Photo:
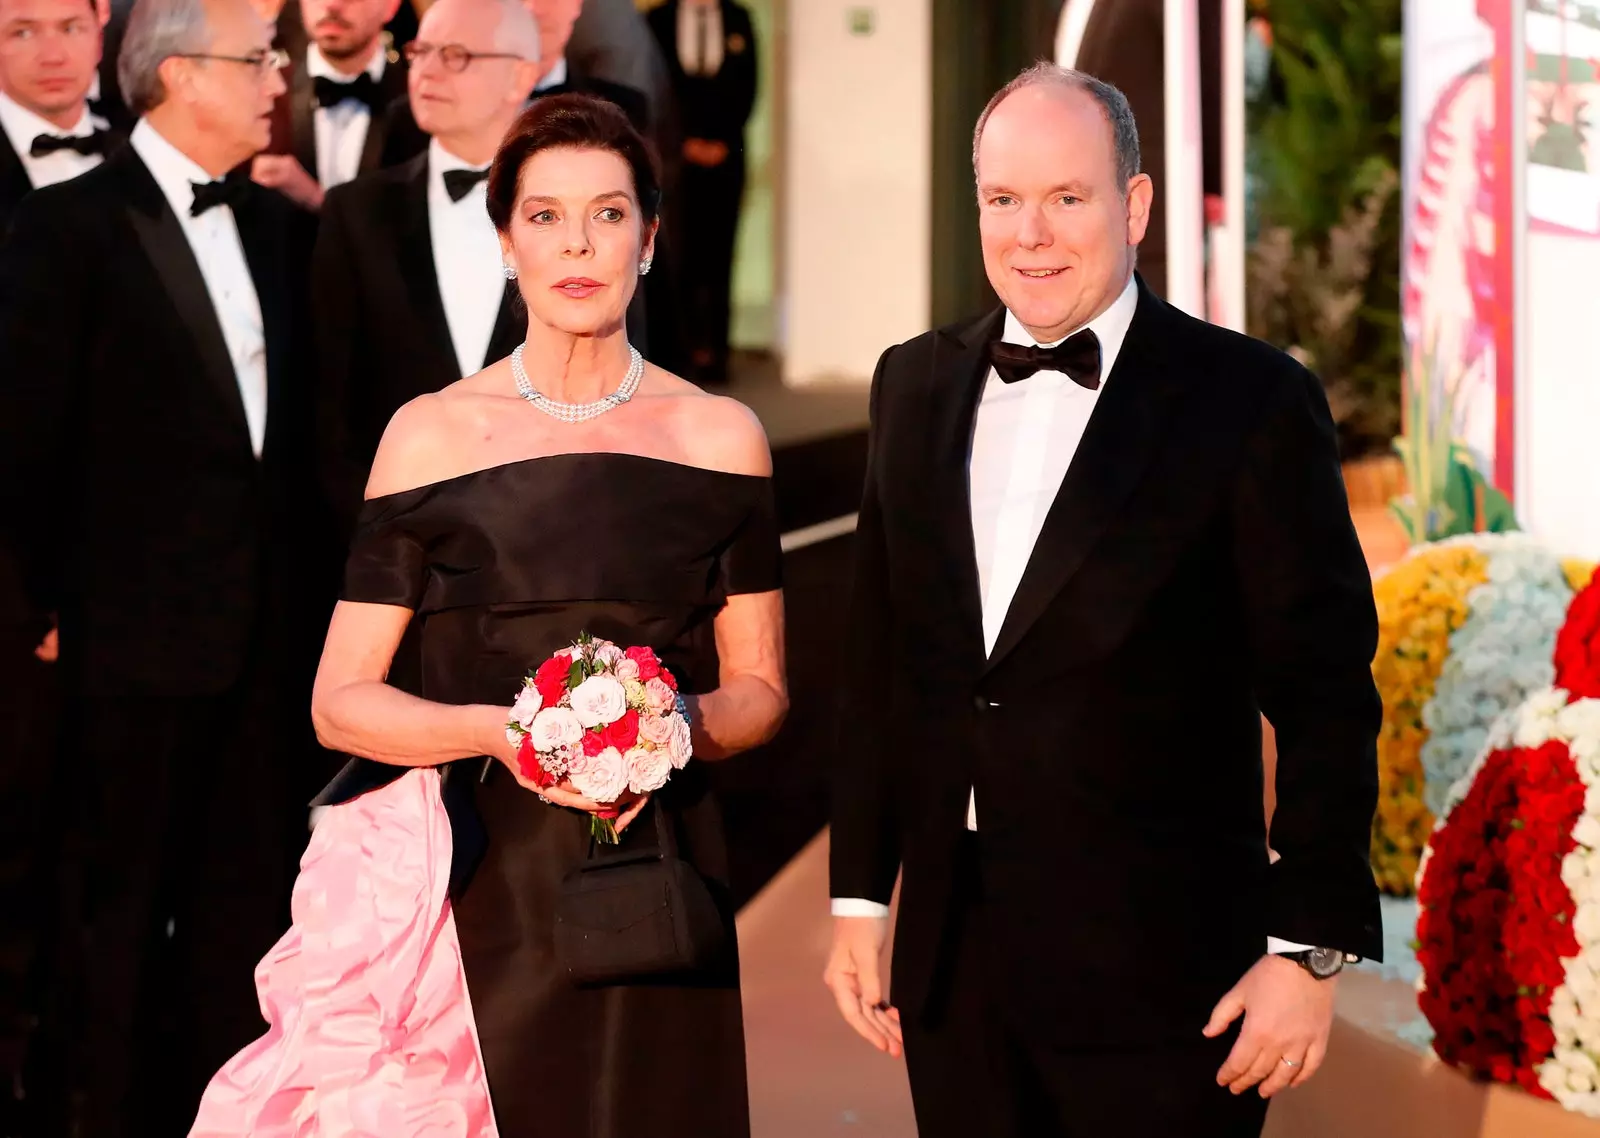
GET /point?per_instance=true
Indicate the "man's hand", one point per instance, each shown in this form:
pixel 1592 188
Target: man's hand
pixel 49 649
pixel 283 172
pixel 1287 1016
pixel 853 977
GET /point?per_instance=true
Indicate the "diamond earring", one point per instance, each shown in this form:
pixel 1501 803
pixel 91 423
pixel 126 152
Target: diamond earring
pixel 510 271
pixel 644 266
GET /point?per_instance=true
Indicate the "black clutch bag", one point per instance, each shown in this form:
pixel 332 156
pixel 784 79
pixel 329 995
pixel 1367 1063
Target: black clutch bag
pixel 634 915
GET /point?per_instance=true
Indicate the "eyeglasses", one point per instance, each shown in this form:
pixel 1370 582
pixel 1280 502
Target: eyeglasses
pixel 452 55
pixel 265 62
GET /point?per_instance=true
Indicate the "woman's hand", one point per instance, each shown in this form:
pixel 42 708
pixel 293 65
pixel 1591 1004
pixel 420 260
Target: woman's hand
pixel 563 793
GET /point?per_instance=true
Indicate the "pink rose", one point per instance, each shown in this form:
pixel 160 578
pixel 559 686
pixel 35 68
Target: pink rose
pixel 658 697
pixel 655 729
pixel 679 744
pixel 607 653
pixel 605 779
pixel 627 670
pixel 648 770
pixel 529 701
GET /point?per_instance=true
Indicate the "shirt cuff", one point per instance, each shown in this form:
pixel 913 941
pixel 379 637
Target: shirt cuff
pixel 858 907
pixel 1274 946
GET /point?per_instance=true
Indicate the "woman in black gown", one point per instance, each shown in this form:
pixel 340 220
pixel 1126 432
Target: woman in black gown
pixel 499 525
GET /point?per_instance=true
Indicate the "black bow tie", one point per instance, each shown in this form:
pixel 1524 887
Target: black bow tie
pixel 229 192
pixel 1077 356
pixel 85 144
pixel 458 183
pixel 331 92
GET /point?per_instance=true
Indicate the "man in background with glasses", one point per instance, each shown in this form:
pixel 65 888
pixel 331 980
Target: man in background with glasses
pixel 406 282
pixel 153 480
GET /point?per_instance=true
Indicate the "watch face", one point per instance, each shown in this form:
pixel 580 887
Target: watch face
pixel 1325 961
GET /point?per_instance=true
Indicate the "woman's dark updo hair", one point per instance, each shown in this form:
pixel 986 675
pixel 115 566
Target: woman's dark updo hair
pixel 580 122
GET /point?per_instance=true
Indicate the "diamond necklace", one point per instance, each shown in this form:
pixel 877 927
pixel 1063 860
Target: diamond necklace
pixel 578 412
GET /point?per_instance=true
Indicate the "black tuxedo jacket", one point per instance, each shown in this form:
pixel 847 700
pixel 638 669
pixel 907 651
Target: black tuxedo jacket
pixel 14 182
pixel 128 486
pixel 1197 568
pixel 381 334
pixel 715 107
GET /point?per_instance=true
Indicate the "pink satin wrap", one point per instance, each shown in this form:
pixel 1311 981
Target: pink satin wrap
pixel 370 1029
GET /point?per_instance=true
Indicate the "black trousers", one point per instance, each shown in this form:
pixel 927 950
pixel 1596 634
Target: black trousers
pixel 977 1069
pixel 191 819
pixel 711 200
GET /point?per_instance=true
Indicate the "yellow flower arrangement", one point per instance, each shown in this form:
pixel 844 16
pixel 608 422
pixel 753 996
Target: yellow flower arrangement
pixel 1420 602
pixel 1579 573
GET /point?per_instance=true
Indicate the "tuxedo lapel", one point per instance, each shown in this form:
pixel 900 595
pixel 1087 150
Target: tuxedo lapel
pixel 303 116
pixel 961 363
pixel 14 183
pixel 510 326
pixel 1109 461
pixel 162 238
pixel 393 86
pixel 415 252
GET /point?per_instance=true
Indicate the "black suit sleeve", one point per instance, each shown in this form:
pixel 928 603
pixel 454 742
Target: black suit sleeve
pixel 1313 633
pixel 336 327
pixel 44 290
pixel 865 843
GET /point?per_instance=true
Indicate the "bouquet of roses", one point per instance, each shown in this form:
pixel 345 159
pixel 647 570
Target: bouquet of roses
pixel 605 719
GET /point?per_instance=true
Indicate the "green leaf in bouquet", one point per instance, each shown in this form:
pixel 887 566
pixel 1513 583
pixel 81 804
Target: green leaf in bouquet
pixel 577 673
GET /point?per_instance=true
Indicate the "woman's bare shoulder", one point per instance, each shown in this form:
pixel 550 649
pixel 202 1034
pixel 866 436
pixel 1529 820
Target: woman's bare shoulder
pixel 716 431
pixel 427 440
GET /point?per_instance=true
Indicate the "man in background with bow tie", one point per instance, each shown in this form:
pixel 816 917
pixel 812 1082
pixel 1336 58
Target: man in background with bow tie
pixel 1098 540
pixel 338 93
pixel 406 281
pixel 154 428
pixel 49 50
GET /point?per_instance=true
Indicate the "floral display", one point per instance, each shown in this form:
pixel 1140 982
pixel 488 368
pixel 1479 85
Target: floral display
pixel 605 720
pixel 1467 627
pixel 1508 932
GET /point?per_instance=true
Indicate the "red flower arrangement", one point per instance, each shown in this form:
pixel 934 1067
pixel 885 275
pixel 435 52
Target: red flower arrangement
pixel 1506 927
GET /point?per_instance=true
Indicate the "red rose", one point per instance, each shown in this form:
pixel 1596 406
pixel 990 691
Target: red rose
pixel 649 665
pixel 1578 645
pixel 551 679
pixel 594 742
pixel 532 769
pixel 669 679
pixel 624 733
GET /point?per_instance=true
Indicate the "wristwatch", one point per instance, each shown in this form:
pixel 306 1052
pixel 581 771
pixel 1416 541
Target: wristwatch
pixel 1323 963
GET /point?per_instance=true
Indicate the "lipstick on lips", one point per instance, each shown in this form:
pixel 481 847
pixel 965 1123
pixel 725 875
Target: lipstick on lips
pixel 578 287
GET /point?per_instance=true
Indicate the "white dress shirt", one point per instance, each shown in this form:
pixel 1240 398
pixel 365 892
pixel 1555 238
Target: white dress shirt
pixel 1023 441
pixel 341 129
pixel 214 240
pixel 700 38
pixel 22 126
pixel 466 259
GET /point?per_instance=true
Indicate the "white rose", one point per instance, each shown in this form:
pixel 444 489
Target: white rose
pixel 529 701
pixel 626 670
pixel 604 779
pixel 1587 831
pixel 1587 923
pixel 648 770
pixel 598 701
pixel 679 744
pixel 555 728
